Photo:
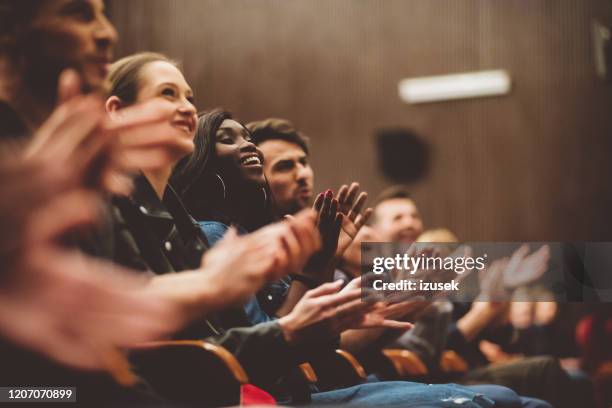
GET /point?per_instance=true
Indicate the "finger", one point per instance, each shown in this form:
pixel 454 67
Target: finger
pixel 61 215
pixel 318 202
pixel 325 289
pixel 147 113
pixel 69 86
pixel 78 116
pixel 362 219
pixel 333 209
pixel 336 227
pixel 352 194
pixel 324 213
pixel 358 205
pixel 341 298
pixel 395 324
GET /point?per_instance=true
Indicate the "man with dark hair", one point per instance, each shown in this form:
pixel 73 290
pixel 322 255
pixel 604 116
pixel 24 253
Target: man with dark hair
pixel 286 163
pixel 38 40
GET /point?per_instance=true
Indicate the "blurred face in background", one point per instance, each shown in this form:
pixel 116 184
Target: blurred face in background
pixel 398 220
pixel 68 34
pixel 289 174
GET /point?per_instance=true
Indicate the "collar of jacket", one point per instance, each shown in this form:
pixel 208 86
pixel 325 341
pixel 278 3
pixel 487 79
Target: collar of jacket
pixel 151 207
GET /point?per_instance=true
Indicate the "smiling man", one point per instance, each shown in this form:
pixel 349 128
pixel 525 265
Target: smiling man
pixel 286 164
pixel 396 217
pixel 38 40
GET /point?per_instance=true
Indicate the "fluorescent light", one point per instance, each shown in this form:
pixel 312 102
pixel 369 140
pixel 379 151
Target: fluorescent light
pixel 456 86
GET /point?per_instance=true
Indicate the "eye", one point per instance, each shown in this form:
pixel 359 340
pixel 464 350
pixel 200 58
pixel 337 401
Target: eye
pixel 226 140
pixel 169 92
pixel 79 10
pixel 284 165
pixel 191 100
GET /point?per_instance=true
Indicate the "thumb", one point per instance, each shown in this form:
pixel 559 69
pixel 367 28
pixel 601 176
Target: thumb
pixel 69 86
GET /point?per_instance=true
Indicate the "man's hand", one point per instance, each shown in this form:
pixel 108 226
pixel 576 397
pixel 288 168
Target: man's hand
pixel 104 152
pixel 58 302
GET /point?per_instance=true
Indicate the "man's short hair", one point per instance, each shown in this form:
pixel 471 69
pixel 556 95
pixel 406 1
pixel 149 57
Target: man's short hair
pixel 277 129
pixel 393 192
pixel 15 19
pixel 390 193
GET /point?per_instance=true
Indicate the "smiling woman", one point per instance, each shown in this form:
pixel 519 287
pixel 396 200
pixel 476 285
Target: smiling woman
pixel 223 180
pixel 146 76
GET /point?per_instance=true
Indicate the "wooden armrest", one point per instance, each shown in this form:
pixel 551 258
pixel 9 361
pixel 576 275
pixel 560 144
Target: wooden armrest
pixel 337 369
pixel 406 362
pixel 309 373
pixel 225 356
pixel 451 362
pixel 357 367
pixel 604 371
pixel 192 371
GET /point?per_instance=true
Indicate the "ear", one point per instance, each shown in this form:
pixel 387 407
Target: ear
pixel 113 105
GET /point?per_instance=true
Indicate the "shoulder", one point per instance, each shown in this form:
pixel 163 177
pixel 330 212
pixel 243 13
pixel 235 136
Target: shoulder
pixel 214 230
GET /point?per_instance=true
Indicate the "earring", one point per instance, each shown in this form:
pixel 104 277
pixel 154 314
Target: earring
pixel 265 195
pixel 222 185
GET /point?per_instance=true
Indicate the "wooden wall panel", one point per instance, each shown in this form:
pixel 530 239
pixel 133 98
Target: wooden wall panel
pixel 533 165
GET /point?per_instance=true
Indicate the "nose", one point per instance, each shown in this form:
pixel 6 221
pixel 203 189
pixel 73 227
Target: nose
pixel 105 33
pixel 186 108
pixel 247 146
pixel 302 173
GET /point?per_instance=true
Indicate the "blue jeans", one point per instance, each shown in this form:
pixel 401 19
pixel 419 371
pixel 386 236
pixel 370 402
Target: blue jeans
pixel 505 397
pixel 404 394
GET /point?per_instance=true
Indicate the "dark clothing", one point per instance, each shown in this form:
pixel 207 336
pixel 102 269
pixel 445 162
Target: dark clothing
pixel 11 126
pixel 161 237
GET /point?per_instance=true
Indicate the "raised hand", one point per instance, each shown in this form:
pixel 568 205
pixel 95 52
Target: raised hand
pixel 104 152
pixel 524 269
pixel 350 204
pixel 320 266
pixel 70 308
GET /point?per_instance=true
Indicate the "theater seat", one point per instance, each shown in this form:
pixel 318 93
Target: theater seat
pixel 452 363
pixel 337 369
pixel 406 363
pixel 602 382
pixel 195 371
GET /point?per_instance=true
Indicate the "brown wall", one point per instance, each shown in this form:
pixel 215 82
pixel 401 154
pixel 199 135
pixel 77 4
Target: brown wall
pixel 529 166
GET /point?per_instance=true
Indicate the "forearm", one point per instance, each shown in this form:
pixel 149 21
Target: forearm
pixel 192 294
pixel 355 341
pixel 474 322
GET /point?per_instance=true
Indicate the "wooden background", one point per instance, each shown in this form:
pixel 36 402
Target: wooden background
pixel 534 165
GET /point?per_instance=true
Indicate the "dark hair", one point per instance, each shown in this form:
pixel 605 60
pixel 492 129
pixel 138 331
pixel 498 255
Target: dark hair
pixel 277 129
pixel 124 76
pixel 196 179
pixel 15 20
pixel 192 169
